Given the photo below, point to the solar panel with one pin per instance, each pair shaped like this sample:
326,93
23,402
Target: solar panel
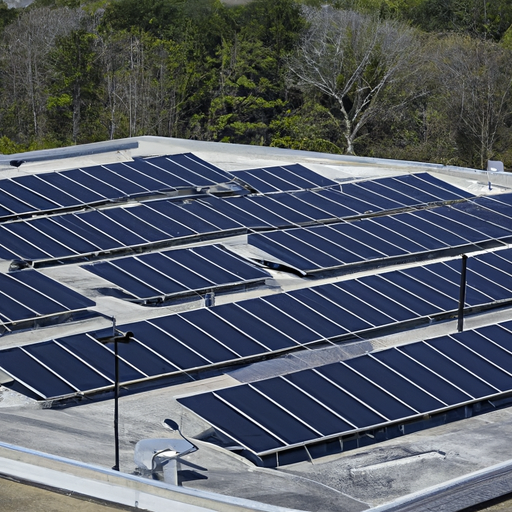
104,183
405,191
286,178
29,295
255,328
181,271
273,416
413,235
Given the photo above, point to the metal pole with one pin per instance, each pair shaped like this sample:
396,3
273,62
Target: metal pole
116,397
462,294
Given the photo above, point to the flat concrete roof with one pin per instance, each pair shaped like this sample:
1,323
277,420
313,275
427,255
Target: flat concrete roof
352,481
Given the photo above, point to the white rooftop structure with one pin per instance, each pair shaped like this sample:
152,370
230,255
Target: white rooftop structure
57,422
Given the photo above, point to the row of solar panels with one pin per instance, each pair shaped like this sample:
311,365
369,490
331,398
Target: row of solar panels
29,295
162,274
368,392
249,329
79,235
467,226
72,189
51,192
104,183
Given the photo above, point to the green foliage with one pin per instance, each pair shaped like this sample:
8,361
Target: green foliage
7,15
199,69
481,18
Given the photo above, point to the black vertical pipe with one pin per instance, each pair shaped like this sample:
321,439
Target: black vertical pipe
462,293
116,407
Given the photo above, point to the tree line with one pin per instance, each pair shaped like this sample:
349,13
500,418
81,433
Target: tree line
426,80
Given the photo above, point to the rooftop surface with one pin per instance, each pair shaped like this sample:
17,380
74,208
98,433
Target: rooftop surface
358,479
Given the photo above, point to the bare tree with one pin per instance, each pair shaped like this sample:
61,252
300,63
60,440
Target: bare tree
476,80
353,58
24,50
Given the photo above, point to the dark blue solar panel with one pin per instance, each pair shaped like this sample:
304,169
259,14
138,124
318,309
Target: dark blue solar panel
28,371
60,197
58,292
423,377
155,334
151,277
12,310
235,425
178,271
269,415
32,198
292,327
99,356
83,194
129,171
367,193
92,183
337,399
121,235
38,239
269,336
105,175
362,315
164,220
188,277
204,219
283,178
12,205
162,170
237,340
348,236
448,369
201,342
387,307
278,245
425,291
485,370
125,217
294,400
480,342
439,188
321,324
18,246
193,170
28,294
385,286
131,284
73,223
232,209
70,368
369,393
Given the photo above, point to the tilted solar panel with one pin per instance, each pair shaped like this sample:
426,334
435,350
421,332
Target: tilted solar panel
255,328
49,192
415,235
285,178
179,271
273,416
30,295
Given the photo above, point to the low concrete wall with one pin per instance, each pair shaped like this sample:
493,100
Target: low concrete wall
108,485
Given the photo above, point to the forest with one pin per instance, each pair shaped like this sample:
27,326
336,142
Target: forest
423,80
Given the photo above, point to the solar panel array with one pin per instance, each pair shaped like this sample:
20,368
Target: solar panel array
363,393
468,226
245,330
76,235
182,271
299,217
285,178
29,295
103,183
